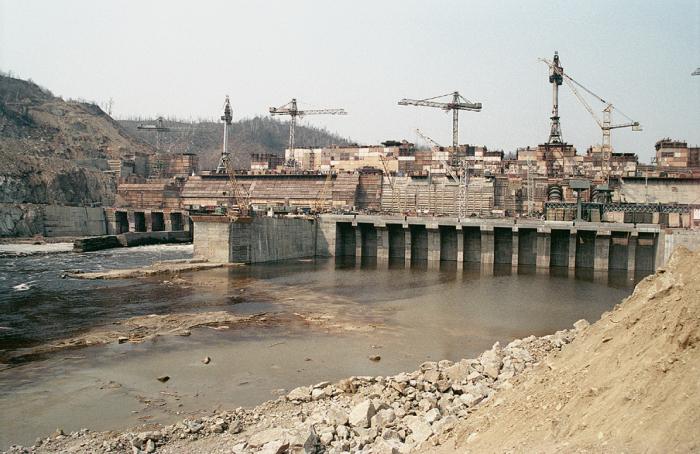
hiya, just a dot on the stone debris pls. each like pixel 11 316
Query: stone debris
pixel 395 414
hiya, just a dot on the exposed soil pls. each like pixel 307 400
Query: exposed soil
pixel 629 383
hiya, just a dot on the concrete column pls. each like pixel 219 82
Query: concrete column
pixel 460 247
pixel 572 249
pixel 433 244
pixel 149 221
pixel 486 244
pixel 407 245
pixel 543 246
pixel 131 217
pixel 632 251
pixel 167 222
pixel 660 244
pixel 516 237
pixel 602 250
pixel 358 242
pixel 382 244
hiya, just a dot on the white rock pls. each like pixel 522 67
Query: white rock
pixel 337 417
pixel 581 325
pixel 420 430
pixel 432 416
pixel 361 414
pixel 317 394
pixel 302 393
pixel 266 436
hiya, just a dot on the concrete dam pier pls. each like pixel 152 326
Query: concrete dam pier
pixel 544 244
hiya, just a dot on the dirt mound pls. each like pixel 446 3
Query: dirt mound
pixel 628 383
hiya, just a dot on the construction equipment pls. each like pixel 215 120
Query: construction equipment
pixel 159 128
pixel 227 117
pixel 458 103
pixel 696 72
pixel 240 200
pixel 395 191
pixel 320 202
pixel 605 124
pixel 462 181
pixel 291 109
pixel 555 78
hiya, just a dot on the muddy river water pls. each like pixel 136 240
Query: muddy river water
pixel 405 316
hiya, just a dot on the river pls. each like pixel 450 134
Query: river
pixel 405 316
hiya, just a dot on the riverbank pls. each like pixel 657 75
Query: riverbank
pixel 627 383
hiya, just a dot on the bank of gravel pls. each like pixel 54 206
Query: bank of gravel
pixel 628 383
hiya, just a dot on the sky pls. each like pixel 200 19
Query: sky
pixel 180 58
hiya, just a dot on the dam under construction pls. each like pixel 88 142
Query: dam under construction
pixel 432 241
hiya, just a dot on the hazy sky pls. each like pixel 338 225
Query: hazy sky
pixel 180 58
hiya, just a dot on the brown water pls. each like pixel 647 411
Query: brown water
pixel 416 314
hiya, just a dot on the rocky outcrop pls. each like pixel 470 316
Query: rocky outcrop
pixel 55 151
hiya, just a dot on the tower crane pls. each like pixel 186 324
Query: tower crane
pixel 227 117
pixel 291 109
pixel 605 124
pixel 458 103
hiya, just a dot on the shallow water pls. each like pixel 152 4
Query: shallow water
pixel 416 314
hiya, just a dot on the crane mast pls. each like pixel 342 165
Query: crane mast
pixel 293 111
pixel 227 118
pixel 605 124
pixel 457 103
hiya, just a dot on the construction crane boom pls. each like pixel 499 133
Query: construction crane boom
pixel 606 123
pixel 444 163
pixel 458 103
pixel 293 111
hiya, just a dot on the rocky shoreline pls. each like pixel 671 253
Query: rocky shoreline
pixel 394 414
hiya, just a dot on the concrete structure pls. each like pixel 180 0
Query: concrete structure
pixel 253 240
pixel 122 220
pixel 544 244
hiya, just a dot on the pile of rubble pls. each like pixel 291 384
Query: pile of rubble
pixel 360 414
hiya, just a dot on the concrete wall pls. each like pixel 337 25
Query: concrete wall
pixel 74 221
pixel 211 239
pixel 265 239
pixel 674 238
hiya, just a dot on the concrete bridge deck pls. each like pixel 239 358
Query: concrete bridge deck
pixel 598 246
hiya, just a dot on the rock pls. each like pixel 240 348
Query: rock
pixel 206 360
pixel 308 441
pixel 317 394
pixel 375 358
pixel 122 339
pixel 235 427
pixel 382 418
pixel 150 446
pixel 337 417
pixel 265 437
pixel 194 427
pixel 275 447
pixel 470 400
pixel 342 432
pixel 581 325
pixel 302 393
pixel 163 378
pixel 420 430
pixel 432 376
pixel 325 438
pixel 432 416
pixel 321 385
pixel 383 446
pixel 361 414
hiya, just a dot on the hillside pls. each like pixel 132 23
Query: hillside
pixel 55 151
pixel 254 135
